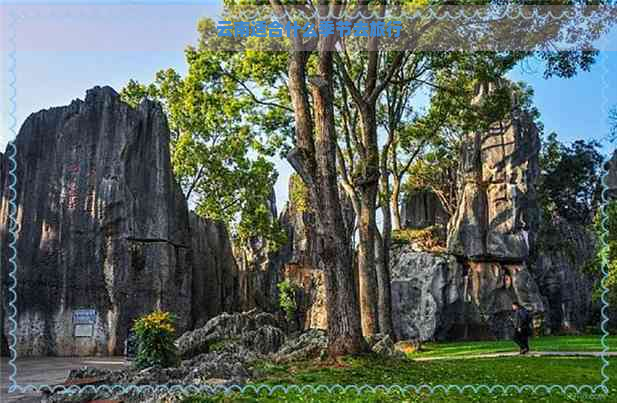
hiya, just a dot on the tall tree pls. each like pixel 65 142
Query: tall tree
pixel 220 158
pixel 569 178
pixel 310 81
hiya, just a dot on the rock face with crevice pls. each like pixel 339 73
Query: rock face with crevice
pixel 468 292
pixel 104 227
pixel 497 212
pixel 564 251
pixel 262 269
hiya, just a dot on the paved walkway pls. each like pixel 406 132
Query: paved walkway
pixel 516 354
pixel 47 370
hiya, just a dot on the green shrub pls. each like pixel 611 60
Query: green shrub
pixel 298 194
pixel 155 340
pixel 287 297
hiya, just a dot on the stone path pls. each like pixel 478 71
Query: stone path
pixel 516 354
pixel 47 370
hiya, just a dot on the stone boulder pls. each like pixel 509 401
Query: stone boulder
pixel 497 213
pixel 382 344
pixel 104 234
pixel 423 285
pixel 257 330
pixel 436 297
pixel 310 344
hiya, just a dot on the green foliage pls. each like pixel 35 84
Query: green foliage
pixel 287 297
pixel 606 256
pixel 298 194
pixel 155 337
pixel 223 140
pixel 429 238
pixel 569 179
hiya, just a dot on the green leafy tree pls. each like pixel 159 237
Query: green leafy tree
pixel 222 141
pixel 288 298
pixel 606 257
pixel 303 84
pixel 569 179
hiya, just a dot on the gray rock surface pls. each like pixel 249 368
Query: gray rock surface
pixel 215 273
pixel 423 209
pixel 435 297
pixel 103 226
pixel 497 203
pixel 253 327
pixel 563 252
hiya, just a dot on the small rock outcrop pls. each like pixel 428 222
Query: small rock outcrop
pixel 221 353
pixel 104 233
pixel 256 330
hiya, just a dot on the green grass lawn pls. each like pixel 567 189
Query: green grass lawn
pixel 544 343
pixel 374 370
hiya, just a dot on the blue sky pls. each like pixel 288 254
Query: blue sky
pixel 571 107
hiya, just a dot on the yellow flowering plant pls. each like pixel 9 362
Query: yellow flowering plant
pixel 155 340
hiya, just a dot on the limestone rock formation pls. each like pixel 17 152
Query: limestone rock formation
pixel 256 329
pixel 563 251
pixel 215 277
pixel 423 209
pixel 104 233
pixel 260 270
pixel 300 265
pixel 434 296
pixel 467 292
pixel 497 208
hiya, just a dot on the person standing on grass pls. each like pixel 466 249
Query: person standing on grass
pixel 522 326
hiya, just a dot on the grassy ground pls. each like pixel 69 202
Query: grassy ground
pixel 545 343
pixel 375 370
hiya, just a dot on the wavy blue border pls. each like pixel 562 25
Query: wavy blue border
pixel 260 388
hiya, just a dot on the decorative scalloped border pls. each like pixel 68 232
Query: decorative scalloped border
pixel 260 388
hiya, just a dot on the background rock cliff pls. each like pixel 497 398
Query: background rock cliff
pixel 103 227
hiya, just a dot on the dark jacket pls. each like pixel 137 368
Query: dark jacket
pixel 522 319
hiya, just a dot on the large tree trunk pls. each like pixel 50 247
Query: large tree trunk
pixel 368 186
pixel 314 160
pixel 344 326
pixel 394 203
pixel 367 279
pixel 382 255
